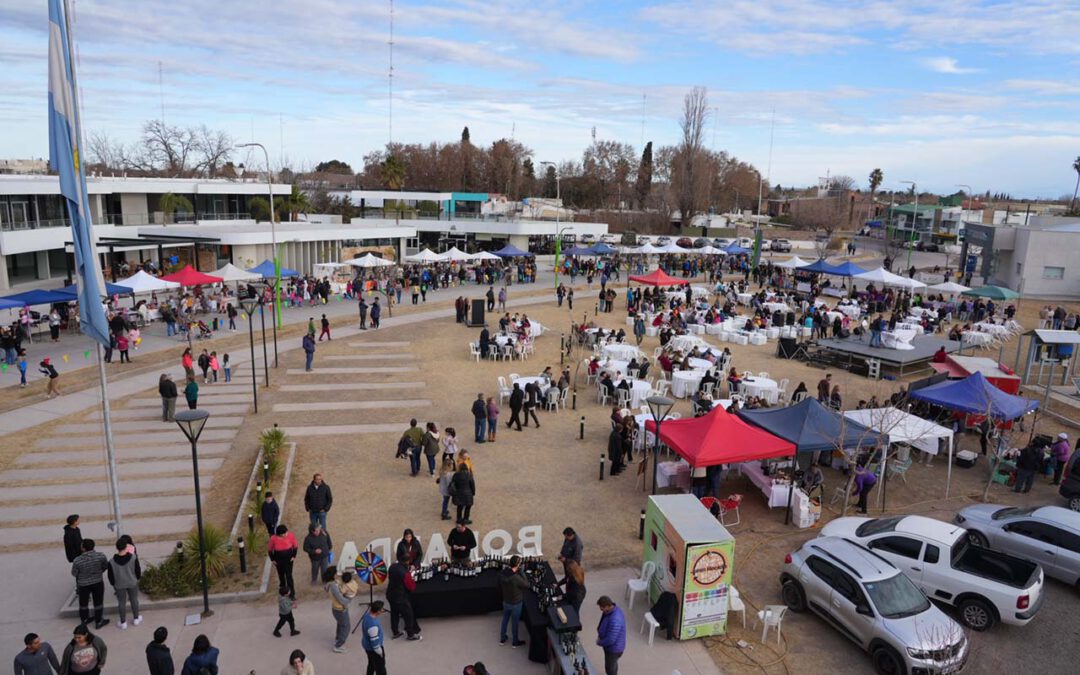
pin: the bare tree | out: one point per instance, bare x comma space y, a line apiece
842, 183
690, 163
214, 148
169, 148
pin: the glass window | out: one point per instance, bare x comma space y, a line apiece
1056, 273
902, 546
877, 526
932, 554
823, 570
1034, 530
1011, 511
896, 597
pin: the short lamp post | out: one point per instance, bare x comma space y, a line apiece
192, 423
249, 304
659, 407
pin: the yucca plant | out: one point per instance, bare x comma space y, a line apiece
217, 553
271, 441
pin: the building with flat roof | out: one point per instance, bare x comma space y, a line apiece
1038, 260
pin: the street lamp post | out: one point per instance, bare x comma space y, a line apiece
914, 218
273, 237
248, 304
659, 407
558, 210
266, 361
192, 423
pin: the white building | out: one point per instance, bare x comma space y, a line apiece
1038, 260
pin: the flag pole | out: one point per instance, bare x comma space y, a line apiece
106, 415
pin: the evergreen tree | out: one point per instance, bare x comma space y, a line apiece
644, 176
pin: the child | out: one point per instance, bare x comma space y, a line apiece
214, 365
225, 366
123, 344
22, 368
47, 369
135, 338
285, 613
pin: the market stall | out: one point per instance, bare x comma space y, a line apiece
903, 427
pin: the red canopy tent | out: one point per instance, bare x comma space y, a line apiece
659, 278
189, 276
720, 438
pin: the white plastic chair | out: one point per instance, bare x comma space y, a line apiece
735, 604
771, 617
563, 396
649, 619
763, 374
640, 584
514, 376
504, 389
474, 350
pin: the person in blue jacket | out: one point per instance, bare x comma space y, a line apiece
611, 634
203, 658
373, 639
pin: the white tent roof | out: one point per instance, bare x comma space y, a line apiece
792, 263
674, 248
950, 287
903, 427
883, 276
423, 256
330, 265
141, 282
485, 255
231, 272
368, 260
455, 255
647, 249
709, 250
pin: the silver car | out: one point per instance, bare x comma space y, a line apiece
873, 604
1047, 535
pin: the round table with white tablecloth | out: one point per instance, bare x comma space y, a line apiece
621, 351
775, 307
685, 382
853, 311
976, 339
762, 387
614, 366
994, 329
744, 298
544, 383
503, 340
899, 339
832, 315
639, 391
701, 364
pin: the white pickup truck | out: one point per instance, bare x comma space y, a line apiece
985, 586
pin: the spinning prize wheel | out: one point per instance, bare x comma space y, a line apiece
370, 568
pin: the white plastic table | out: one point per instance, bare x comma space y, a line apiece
544, 384
685, 382
762, 387
622, 352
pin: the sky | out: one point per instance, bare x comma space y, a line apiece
975, 92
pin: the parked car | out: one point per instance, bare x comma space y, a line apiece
588, 238
1047, 535
662, 241
745, 242
720, 242
609, 238
874, 605
985, 586
701, 241
685, 242
927, 246
781, 245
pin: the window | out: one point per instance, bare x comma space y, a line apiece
1033, 530
878, 525
823, 570
932, 553
1056, 273
902, 546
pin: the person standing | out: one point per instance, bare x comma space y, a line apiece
281, 550
215, 366
342, 590
864, 482
376, 313
123, 345
363, 308
517, 398
202, 659
72, 538
570, 298
85, 653
1059, 451
479, 411
611, 634
54, 325
409, 550
574, 581
446, 474
502, 299
490, 295
87, 569
158, 657
204, 366
311, 327
373, 639
399, 589
1026, 466
269, 513
431, 446
308, 344
317, 500
325, 328
572, 546
411, 442
191, 393
461, 541
124, 572
462, 490
318, 545
824, 389
37, 658
532, 401
285, 615
188, 363
226, 367
47, 369
231, 312
492, 418
167, 390
21, 365
512, 586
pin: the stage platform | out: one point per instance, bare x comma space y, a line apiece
860, 350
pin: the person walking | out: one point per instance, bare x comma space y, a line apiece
226, 367
72, 538
492, 418
611, 634
231, 312
517, 399
479, 411
203, 658
463, 490
285, 615
532, 401
167, 391
325, 328
431, 446
204, 366
281, 549
36, 658
47, 369
318, 545
215, 366
864, 482
308, 344
317, 500
446, 474
399, 589
570, 298
21, 365
490, 295
512, 585
123, 345
269, 513
1059, 452
376, 313
373, 639
85, 654
342, 589
410, 444
158, 657
502, 299
87, 569
124, 572
191, 394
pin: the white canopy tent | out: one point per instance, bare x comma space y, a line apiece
647, 249
485, 255
950, 287
903, 427
231, 272
141, 282
455, 255
708, 249
884, 277
675, 248
792, 263
424, 256
368, 260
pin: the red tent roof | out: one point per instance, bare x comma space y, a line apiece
189, 276
659, 278
720, 438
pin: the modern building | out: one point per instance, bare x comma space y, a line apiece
1038, 260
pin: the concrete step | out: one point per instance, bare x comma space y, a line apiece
349, 405
369, 357
123, 454
351, 371
75, 473
352, 386
154, 413
219, 399
145, 438
377, 344
96, 529
345, 429
99, 489
215, 422
96, 509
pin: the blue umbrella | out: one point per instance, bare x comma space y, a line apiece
265, 269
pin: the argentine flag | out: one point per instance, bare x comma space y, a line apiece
64, 142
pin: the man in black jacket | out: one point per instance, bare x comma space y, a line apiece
485, 342
72, 538
479, 411
512, 586
158, 657
270, 513
317, 500
399, 588
1026, 465
517, 398
317, 544
532, 400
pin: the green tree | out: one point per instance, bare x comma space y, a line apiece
465, 135
334, 166
876, 178
170, 204
296, 203
392, 171
551, 184
643, 185
259, 208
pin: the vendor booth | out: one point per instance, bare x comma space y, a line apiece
958, 367
912, 430
693, 556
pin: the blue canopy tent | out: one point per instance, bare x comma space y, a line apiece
848, 269
39, 297
111, 289
975, 394
266, 270
813, 428
603, 249
578, 250
822, 267
10, 304
511, 251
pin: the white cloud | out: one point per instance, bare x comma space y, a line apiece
946, 65
1045, 87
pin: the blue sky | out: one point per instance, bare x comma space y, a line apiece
972, 92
